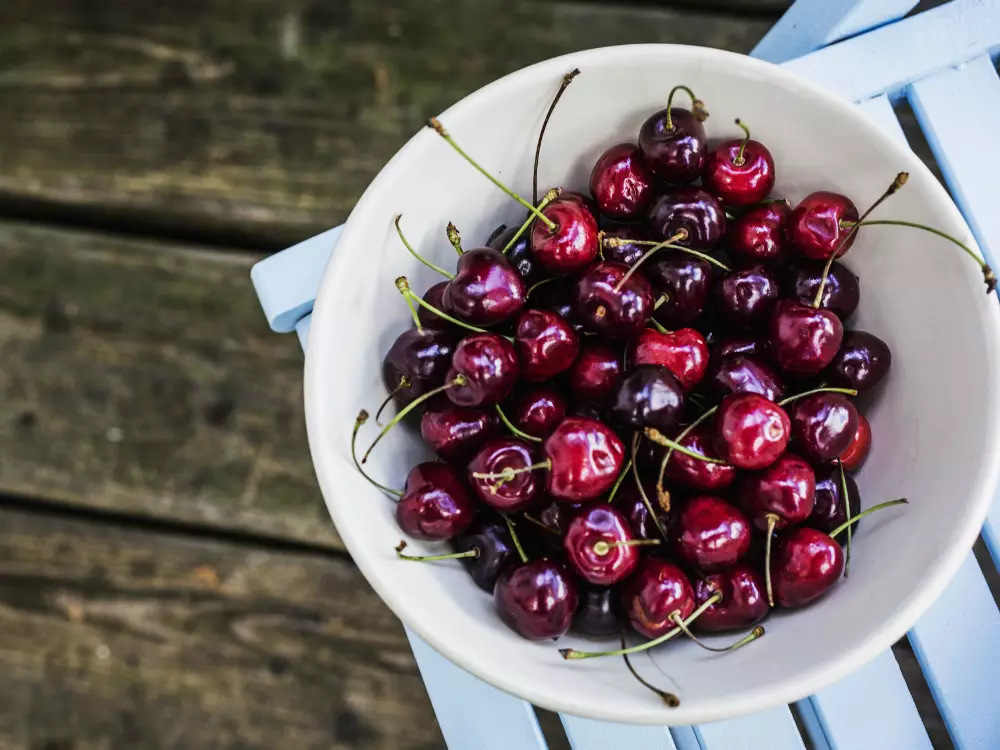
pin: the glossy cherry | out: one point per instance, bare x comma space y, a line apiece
740, 171
537, 409
611, 304
861, 363
519, 255
596, 545
685, 281
652, 595
647, 396
816, 227
737, 343
434, 296
455, 433
629, 252
598, 614
630, 503
423, 357
536, 599
803, 339
436, 503
801, 278
757, 237
594, 374
506, 495
622, 183
573, 244
855, 454
805, 565
693, 473
710, 534
746, 297
781, 495
744, 373
683, 352
585, 458
675, 146
691, 209
486, 289
546, 344
829, 509
488, 365
751, 431
823, 425
496, 550
743, 603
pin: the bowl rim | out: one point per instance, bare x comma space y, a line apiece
808, 681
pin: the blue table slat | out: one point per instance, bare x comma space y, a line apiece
586, 734
773, 729
886, 60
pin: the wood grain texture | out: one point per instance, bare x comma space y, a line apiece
266, 118
141, 378
113, 638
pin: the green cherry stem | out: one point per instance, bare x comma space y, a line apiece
537, 284
847, 514
455, 238
361, 419
681, 234
474, 552
697, 105
546, 200
772, 521
619, 480
602, 547
417, 255
797, 396
670, 451
508, 474
413, 313
621, 241
658, 325
510, 426
739, 160
403, 285
566, 81
404, 382
750, 637
642, 490
660, 439
517, 542
846, 524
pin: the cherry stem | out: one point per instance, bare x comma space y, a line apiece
508, 474
474, 552
566, 81
537, 284
570, 653
414, 315
403, 285
517, 542
670, 451
602, 547
361, 419
750, 637
417, 255
897, 183
772, 520
846, 524
739, 160
661, 300
546, 200
681, 234
670, 699
797, 396
621, 242
404, 382
459, 380
988, 275
642, 490
660, 439
435, 125
658, 326
697, 105
847, 514
619, 480
510, 426
455, 238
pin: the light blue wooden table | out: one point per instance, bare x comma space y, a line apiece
940, 61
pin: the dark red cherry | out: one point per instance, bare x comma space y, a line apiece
506, 495
692, 209
737, 343
861, 363
488, 364
436, 504
823, 425
803, 339
744, 373
816, 227
648, 396
536, 599
685, 281
630, 503
537, 409
596, 545
422, 357
594, 374
556, 294
801, 278
757, 237
496, 551
786, 489
653, 593
746, 297
585, 458
694, 473
622, 183
829, 508
455, 433
856, 453
710, 534
546, 344
751, 431
486, 289
598, 614
572, 245
519, 255
434, 296
805, 565
627, 253
674, 150
555, 516
618, 312
743, 603
683, 352
740, 172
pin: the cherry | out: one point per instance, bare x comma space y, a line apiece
692, 209
556, 516
673, 141
496, 551
685, 282
656, 591
435, 504
805, 566
536, 599
693, 473
519, 254
538, 409
633, 507
802, 277
683, 352
735, 344
622, 183
422, 356
780, 495
486, 289
829, 509
740, 172
594, 374
823, 425
546, 344
710, 534
434, 296
613, 302
627, 252
743, 602
648, 396
573, 244
758, 236
507, 495
584, 200
745, 298
751, 431
804, 339
856, 453
597, 615
597, 545
861, 363
585, 457
744, 373
816, 226
455, 433
488, 368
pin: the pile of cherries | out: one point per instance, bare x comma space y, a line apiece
642, 399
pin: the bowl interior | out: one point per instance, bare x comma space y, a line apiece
934, 421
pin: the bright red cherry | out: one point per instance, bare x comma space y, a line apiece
653, 594
757, 237
573, 244
537, 409
486, 365
743, 603
622, 183
683, 352
780, 495
486, 289
611, 304
693, 473
507, 495
804, 339
751, 432
597, 545
818, 224
855, 454
594, 374
455, 433
805, 566
546, 344
435, 504
536, 599
585, 458
710, 534
740, 172
823, 425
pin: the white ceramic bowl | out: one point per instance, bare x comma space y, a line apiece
935, 421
